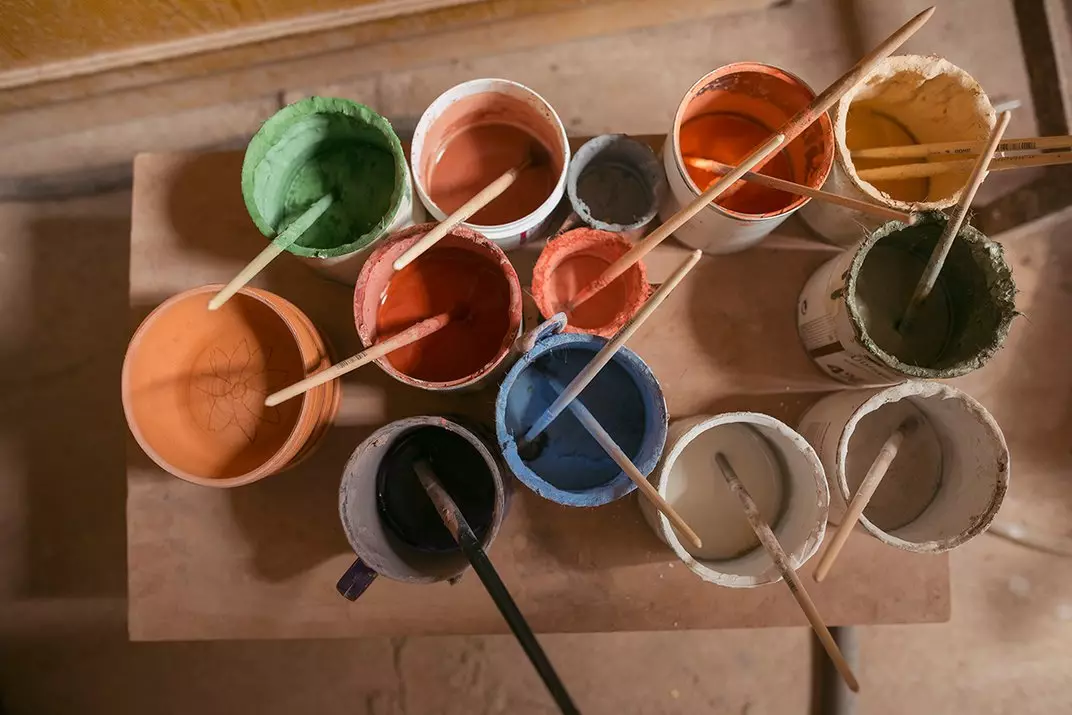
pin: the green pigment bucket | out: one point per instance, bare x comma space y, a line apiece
324, 145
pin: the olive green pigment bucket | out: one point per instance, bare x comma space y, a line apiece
323, 145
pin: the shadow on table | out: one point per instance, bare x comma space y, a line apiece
59, 400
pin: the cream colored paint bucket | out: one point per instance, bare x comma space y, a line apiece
907, 99
779, 469
948, 480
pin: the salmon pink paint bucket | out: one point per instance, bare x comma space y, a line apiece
570, 262
726, 115
948, 480
465, 275
472, 134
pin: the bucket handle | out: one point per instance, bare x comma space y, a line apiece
552, 326
355, 581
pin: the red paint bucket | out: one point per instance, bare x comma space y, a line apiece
572, 261
464, 274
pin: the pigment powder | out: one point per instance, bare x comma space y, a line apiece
479, 154
464, 283
729, 138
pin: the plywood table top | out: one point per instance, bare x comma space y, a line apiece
261, 561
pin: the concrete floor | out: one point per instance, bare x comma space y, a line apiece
63, 330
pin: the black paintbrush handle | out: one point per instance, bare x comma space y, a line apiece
463, 534
509, 610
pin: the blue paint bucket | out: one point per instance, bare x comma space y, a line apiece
567, 465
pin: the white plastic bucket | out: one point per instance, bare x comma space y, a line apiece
947, 482
766, 96
801, 515
481, 101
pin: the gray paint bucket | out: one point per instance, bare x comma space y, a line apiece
615, 183
946, 484
379, 549
849, 308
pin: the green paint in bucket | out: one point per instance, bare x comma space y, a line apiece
323, 145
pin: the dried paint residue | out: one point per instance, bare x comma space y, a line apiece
729, 138
476, 156
464, 283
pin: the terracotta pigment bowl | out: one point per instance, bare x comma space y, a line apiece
194, 383
572, 261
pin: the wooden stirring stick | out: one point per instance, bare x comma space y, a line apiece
863, 495
484, 197
921, 151
937, 168
279, 244
590, 423
762, 153
411, 334
789, 574
791, 187
945, 241
459, 528
605, 355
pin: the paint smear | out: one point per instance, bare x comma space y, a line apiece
729, 138
463, 283
476, 156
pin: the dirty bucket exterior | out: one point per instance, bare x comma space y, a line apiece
543, 341
715, 229
380, 552
529, 228
801, 528
975, 463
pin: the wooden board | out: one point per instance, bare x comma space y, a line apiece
31, 107
261, 561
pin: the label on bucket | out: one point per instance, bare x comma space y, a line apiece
827, 333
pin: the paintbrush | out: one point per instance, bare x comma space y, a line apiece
791, 187
902, 172
863, 495
278, 244
606, 354
536, 157
412, 334
757, 158
952, 228
961, 148
789, 575
455, 522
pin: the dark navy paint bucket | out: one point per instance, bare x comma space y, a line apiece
567, 465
